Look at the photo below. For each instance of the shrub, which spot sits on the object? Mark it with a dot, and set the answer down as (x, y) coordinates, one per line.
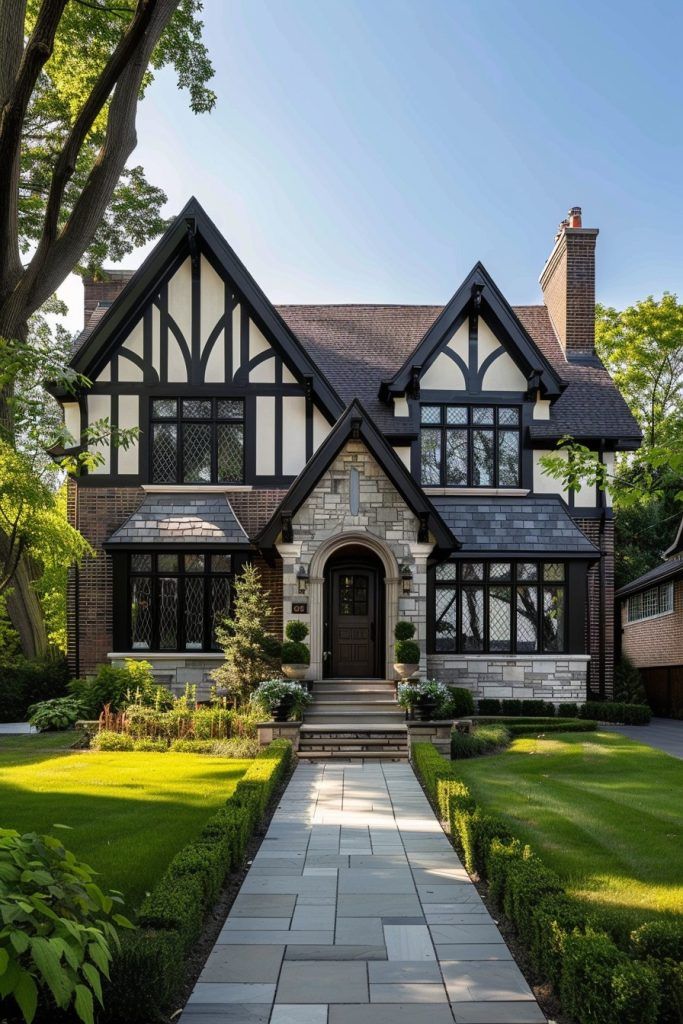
(404, 630)
(407, 652)
(59, 927)
(460, 703)
(251, 650)
(190, 746)
(600, 985)
(294, 650)
(538, 708)
(149, 745)
(541, 726)
(144, 976)
(115, 687)
(511, 707)
(628, 683)
(482, 740)
(527, 881)
(475, 831)
(615, 711)
(107, 740)
(553, 917)
(271, 692)
(658, 938)
(570, 710)
(60, 713)
(238, 746)
(488, 706)
(29, 682)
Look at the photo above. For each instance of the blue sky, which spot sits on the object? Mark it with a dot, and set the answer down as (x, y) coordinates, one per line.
(373, 150)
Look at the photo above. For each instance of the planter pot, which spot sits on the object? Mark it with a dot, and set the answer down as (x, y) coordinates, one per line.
(425, 708)
(282, 710)
(294, 670)
(404, 670)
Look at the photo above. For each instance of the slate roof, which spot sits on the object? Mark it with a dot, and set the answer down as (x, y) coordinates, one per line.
(181, 519)
(666, 571)
(358, 346)
(513, 526)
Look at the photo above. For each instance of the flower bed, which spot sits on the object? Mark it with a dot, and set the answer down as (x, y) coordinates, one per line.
(601, 978)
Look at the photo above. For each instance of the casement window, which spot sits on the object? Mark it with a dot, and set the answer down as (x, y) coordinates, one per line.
(499, 607)
(175, 600)
(470, 446)
(650, 603)
(197, 440)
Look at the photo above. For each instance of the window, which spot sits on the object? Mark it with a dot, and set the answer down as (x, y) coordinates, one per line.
(500, 607)
(197, 440)
(470, 446)
(650, 603)
(176, 600)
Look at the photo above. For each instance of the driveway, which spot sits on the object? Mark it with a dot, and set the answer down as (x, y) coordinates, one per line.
(15, 729)
(662, 733)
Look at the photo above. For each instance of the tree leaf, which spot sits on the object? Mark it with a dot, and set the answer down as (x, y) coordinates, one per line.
(92, 975)
(83, 1004)
(26, 996)
(49, 965)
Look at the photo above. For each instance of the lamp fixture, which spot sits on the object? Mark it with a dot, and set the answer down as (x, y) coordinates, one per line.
(302, 578)
(406, 579)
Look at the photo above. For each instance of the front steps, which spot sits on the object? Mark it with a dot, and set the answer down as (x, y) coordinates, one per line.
(354, 719)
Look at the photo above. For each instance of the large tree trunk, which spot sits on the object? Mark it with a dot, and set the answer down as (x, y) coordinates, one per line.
(25, 610)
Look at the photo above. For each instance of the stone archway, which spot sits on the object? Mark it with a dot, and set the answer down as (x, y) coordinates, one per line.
(392, 583)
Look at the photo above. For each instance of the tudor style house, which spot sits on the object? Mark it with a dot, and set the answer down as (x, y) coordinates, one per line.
(651, 618)
(375, 462)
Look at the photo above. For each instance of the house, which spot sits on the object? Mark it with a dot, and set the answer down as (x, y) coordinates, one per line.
(375, 462)
(651, 617)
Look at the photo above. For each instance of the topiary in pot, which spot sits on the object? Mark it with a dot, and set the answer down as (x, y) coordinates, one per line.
(406, 649)
(296, 656)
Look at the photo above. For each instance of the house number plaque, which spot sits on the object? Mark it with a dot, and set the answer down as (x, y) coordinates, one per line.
(299, 607)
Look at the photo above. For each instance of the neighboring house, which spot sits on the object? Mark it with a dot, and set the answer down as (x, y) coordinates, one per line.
(377, 462)
(651, 609)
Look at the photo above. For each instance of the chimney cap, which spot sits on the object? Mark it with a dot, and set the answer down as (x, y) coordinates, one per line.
(574, 217)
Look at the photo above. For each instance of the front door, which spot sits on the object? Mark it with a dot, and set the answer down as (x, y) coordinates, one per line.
(353, 622)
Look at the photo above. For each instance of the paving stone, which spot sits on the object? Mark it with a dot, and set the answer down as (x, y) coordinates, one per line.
(391, 1013)
(388, 880)
(498, 1013)
(263, 906)
(234, 963)
(314, 918)
(473, 933)
(451, 892)
(392, 972)
(275, 938)
(359, 931)
(408, 992)
(257, 923)
(276, 885)
(339, 982)
(467, 951)
(217, 993)
(336, 952)
(478, 981)
(228, 1013)
(299, 1013)
(408, 942)
(386, 905)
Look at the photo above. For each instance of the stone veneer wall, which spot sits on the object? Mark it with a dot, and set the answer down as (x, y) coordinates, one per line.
(384, 523)
(557, 678)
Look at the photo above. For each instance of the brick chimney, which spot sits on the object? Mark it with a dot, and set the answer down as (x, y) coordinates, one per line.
(103, 289)
(568, 283)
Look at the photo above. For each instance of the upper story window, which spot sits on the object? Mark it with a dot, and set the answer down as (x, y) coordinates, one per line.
(499, 607)
(175, 600)
(197, 440)
(650, 603)
(470, 446)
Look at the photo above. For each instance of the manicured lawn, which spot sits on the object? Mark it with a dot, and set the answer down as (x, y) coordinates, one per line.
(129, 813)
(605, 811)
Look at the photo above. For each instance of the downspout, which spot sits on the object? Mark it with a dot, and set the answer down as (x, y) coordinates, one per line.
(602, 602)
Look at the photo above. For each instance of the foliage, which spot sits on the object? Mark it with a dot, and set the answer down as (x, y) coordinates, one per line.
(404, 630)
(616, 711)
(628, 683)
(58, 930)
(460, 703)
(296, 630)
(568, 710)
(105, 739)
(236, 746)
(489, 706)
(116, 688)
(484, 739)
(251, 651)
(181, 721)
(545, 726)
(145, 974)
(60, 713)
(294, 650)
(411, 694)
(27, 682)
(407, 652)
(272, 692)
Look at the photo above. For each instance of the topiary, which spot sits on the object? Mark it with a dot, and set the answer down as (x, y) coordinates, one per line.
(404, 630)
(296, 630)
(407, 652)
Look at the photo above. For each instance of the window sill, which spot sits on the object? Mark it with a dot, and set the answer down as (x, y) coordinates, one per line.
(166, 655)
(648, 618)
(193, 488)
(480, 492)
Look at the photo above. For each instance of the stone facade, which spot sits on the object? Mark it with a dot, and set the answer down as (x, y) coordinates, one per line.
(383, 523)
(560, 677)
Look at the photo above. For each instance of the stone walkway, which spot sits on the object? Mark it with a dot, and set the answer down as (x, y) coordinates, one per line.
(356, 910)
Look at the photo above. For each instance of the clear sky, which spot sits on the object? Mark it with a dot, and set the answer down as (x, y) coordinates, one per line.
(373, 150)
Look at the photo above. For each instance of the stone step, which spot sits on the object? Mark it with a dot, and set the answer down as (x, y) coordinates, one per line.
(348, 755)
(329, 702)
(354, 729)
(353, 718)
(344, 693)
(333, 739)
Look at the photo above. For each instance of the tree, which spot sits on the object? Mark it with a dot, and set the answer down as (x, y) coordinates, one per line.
(71, 76)
(252, 653)
(642, 347)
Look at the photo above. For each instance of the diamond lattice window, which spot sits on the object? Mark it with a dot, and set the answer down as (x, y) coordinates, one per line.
(197, 440)
(470, 446)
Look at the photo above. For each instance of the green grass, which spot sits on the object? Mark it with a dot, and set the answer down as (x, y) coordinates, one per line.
(129, 813)
(604, 811)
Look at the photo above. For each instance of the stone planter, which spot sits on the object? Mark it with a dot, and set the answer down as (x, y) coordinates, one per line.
(294, 670)
(425, 708)
(282, 710)
(404, 670)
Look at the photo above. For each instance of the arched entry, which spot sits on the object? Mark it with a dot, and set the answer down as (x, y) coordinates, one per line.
(354, 618)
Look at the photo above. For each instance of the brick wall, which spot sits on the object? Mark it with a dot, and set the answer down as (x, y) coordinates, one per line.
(600, 643)
(657, 641)
(568, 283)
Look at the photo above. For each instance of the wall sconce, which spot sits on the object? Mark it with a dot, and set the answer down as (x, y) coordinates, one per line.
(406, 579)
(302, 578)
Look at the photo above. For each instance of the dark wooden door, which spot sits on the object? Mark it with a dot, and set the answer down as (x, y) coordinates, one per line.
(353, 622)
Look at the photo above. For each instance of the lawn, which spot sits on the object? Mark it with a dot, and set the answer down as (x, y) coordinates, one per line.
(129, 813)
(605, 811)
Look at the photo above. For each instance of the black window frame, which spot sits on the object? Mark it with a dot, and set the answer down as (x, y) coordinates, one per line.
(182, 574)
(459, 584)
(471, 427)
(181, 422)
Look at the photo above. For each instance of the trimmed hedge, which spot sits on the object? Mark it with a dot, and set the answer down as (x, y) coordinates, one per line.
(598, 982)
(533, 726)
(599, 710)
(484, 739)
(616, 711)
(146, 973)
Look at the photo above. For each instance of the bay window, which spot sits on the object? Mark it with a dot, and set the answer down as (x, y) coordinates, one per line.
(499, 607)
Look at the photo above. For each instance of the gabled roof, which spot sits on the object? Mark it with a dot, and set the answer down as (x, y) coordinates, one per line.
(355, 423)
(514, 526)
(668, 570)
(94, 345)
(183, 519)
(478, 288)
